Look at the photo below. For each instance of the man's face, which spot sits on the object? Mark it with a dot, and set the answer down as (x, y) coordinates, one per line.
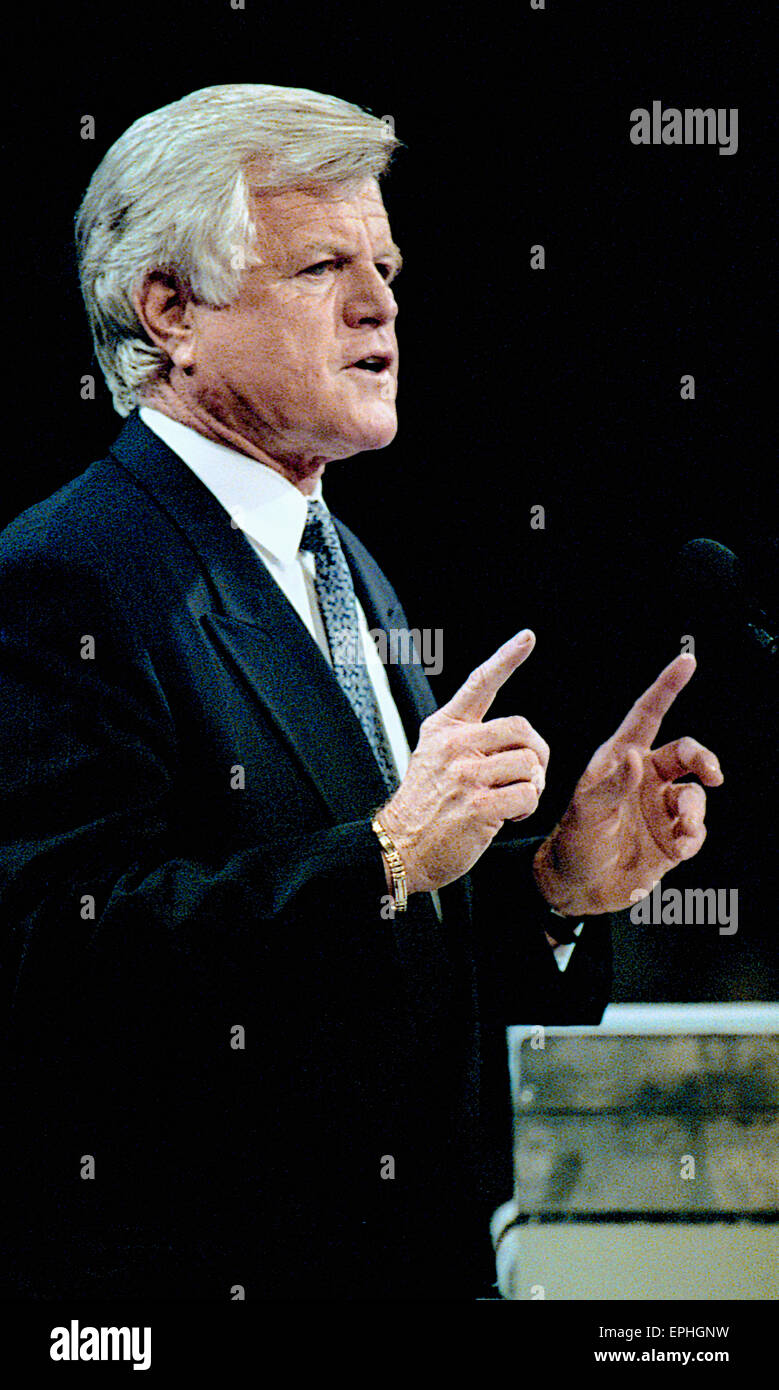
(277, 366)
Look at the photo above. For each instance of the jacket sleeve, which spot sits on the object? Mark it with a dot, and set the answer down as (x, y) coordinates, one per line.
(520, 981)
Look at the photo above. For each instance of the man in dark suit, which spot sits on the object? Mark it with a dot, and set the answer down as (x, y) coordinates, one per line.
(259, 955)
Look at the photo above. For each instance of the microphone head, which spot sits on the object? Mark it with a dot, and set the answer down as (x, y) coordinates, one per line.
(713, 581)
(715, 586)
(710, 567)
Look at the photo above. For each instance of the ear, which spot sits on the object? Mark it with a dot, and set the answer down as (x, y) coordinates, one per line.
(164, 306)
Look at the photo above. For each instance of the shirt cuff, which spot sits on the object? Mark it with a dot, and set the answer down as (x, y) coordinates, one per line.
(562, 954)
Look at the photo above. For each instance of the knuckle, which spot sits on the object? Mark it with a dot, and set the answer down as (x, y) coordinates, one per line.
(527, 799)
(485, 810)
(451, 742)
(441, 731)
(476, 681)
(482, 803)
(461, 772)
(532, 766)
(482, 771)
(519, 727)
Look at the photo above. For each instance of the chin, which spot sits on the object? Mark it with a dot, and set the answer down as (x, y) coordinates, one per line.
(360, 440)
(377, 433)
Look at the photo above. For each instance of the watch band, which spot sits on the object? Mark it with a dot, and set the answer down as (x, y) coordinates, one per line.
(396, 866)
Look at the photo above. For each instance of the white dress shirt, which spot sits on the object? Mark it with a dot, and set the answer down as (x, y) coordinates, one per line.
(271, 512)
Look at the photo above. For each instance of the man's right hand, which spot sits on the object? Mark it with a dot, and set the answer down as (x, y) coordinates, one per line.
(466, 777)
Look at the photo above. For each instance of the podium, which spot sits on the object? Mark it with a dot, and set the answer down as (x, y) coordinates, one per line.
(646, 1157)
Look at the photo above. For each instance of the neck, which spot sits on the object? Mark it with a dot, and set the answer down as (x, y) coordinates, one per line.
(303, 474)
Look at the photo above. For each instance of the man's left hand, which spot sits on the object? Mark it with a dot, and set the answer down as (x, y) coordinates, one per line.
(629, 822)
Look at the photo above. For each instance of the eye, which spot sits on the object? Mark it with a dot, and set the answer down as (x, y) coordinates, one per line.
(319, 268)
(387, 272)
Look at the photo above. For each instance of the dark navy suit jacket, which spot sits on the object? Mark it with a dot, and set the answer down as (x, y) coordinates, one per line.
(188, 854)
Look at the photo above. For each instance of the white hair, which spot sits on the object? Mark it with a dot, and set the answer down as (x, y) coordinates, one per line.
(171, 194)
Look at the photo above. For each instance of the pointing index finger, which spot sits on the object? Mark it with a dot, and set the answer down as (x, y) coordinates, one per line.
(642, 723)
(473, 699)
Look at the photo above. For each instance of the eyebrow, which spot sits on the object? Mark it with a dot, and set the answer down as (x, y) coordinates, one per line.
(328, 248)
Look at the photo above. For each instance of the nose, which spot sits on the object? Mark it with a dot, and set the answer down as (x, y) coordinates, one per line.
(369, 299)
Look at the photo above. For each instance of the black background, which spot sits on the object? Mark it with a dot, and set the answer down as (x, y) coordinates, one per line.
(518, 388)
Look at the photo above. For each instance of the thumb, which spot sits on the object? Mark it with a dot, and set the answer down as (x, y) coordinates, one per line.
(476, 694)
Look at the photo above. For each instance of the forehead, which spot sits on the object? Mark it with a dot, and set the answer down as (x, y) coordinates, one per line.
(294, 218)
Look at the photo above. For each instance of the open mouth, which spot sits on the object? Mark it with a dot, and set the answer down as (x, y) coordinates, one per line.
(374, 364)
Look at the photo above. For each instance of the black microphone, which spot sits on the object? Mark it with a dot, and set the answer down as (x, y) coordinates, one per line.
(712, 573)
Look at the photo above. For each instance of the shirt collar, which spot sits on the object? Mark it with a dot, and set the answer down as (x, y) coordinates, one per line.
(264, 505)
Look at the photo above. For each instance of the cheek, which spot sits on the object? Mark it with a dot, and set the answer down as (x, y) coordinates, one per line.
(228, 349)
(302, 331)
(286, 356)
(293, 357)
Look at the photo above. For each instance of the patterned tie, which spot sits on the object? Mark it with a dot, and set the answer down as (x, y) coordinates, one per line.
(338, 605)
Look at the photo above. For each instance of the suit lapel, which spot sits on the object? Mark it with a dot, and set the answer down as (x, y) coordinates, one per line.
(250, 621)
(288, 673)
